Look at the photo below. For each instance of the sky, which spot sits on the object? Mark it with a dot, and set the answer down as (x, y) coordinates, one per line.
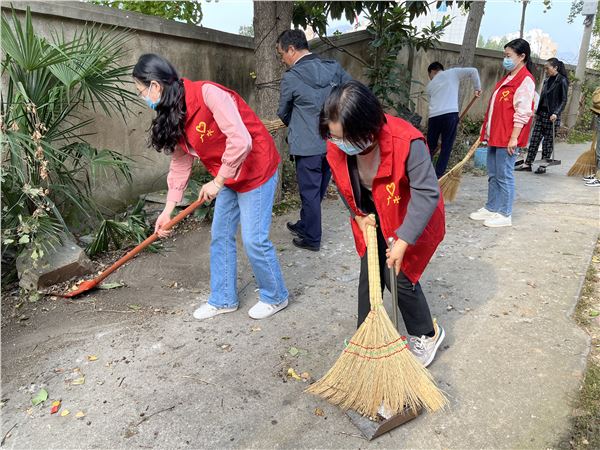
(501, 17)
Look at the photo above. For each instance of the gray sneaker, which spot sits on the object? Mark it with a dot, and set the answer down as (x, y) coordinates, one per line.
(425, 347)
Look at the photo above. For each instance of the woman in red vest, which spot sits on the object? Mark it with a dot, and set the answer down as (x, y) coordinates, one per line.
(203, 120)
(506, 129)
(381, 166)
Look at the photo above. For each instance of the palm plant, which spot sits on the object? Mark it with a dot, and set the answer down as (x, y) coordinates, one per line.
(48, 170)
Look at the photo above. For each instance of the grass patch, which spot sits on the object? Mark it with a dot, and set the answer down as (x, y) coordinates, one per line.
(585, 431)
(579, 137)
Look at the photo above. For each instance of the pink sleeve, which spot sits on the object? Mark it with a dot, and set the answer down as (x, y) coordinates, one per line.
(229, 121)
(179, 174)
(523, 103)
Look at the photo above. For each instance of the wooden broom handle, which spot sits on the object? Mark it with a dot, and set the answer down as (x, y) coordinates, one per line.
(466, 110)
(149, 240)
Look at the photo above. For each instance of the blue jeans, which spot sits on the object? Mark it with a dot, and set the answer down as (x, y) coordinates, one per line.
(501, 180)
(253, 209)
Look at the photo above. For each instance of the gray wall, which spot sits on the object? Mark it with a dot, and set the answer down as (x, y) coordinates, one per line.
(201, 53)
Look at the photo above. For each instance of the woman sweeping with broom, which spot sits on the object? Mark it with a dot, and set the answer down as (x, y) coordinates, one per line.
(381, 166)
(206, 121)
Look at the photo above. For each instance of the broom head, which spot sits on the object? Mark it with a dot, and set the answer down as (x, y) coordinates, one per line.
(586, 163)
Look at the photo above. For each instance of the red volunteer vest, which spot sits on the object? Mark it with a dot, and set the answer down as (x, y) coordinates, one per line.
(208, 141)
(503, 113)
(391, 194)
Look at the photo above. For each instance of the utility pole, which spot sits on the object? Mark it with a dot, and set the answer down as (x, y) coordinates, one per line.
(589, 11)
(523, 9)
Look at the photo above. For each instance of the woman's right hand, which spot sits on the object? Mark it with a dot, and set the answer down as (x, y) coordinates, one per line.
(363, 222)
(162, 220)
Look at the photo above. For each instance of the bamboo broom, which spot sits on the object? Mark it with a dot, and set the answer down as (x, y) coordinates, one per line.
(586, 163)
(377, 369)
(450, 182)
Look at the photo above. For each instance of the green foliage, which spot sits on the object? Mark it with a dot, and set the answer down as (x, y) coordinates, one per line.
(246, 30)
(182, 11)
(47, 167)
(113, 234)
(594, 53)
(391, 29)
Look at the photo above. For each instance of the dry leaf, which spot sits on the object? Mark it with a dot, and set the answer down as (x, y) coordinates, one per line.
(256, 328)
(305, 376)
(319, 412)
(292, 374)
(80, 415)
(65, 412)
(78, 381)
(226, 347)
(55, 407)
(92, 358)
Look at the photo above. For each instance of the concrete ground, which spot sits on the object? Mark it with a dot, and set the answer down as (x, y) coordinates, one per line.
(511, 363)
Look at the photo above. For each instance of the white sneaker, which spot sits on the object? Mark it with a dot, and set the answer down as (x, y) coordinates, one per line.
(263, 310)
(207, 311)
(424, 348)
(593, 183)
(498, 220)
(589, 178)
(481, 214)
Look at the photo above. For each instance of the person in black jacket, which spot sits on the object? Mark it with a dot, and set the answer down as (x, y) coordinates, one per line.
(553, 99)
(304, 88)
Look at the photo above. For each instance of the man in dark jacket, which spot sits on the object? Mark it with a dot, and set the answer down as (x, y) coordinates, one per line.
(304, 88)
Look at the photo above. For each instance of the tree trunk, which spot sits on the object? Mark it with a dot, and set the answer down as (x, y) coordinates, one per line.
(466, 57)
(270, 19)
(522, 28)
(574, 104)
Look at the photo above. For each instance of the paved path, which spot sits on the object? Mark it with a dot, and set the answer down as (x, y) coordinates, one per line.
(511, 364)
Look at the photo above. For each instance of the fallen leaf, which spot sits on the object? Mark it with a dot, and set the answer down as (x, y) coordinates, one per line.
(594, 313)
(256, 328)
(596, 259)
(226, 347)
(285, 338)
(40, 397)
(78, 381)
(293, 351)
(319, 412)
(55, 407)
(79, 415)
(59, 370)
(292, 374)
(92, 358)
(65, 412)
(113, 285)
(135, 307)
(305, 376)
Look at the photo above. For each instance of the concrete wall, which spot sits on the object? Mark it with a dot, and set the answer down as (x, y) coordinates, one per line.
(201, 53)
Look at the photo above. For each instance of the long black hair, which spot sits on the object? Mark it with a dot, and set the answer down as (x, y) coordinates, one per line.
(521, 47)
(560, 66)
(168, 125)
(358, 111)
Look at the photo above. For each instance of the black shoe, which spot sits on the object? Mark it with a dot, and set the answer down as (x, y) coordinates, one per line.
(301, 243)
(294, 229)
(523, 168)
(540, 169)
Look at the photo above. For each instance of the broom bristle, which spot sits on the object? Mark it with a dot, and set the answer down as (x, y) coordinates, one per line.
(585, 164)
(450, 182)
(376, 369)
(273, 125)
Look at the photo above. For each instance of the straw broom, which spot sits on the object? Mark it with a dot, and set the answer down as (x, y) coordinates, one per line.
(450, 182)
(586, 163)
(377, 368)
(273, 125)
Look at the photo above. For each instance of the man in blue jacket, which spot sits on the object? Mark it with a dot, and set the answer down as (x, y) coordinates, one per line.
(304, 88)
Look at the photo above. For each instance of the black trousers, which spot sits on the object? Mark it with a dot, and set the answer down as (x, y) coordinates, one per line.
(411, 300)
(445, 125)
(542, 132)
(313, 175)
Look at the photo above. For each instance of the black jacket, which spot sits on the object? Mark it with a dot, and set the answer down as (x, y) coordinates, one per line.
(553, 97)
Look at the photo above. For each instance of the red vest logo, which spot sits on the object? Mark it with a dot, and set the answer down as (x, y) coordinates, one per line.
(201, 128)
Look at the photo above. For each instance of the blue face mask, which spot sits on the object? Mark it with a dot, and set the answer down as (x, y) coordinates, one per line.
(508, 63)
(349, 149)
(152, 105)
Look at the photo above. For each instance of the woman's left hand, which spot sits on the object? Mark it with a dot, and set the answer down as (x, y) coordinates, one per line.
(553, 118)
(396, 254)
(209, 191)
(512, 146)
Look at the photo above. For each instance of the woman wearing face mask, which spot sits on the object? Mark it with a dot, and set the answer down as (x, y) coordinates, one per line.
(203, 120)
(547, 117)
(506, 128)
(381, 166)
